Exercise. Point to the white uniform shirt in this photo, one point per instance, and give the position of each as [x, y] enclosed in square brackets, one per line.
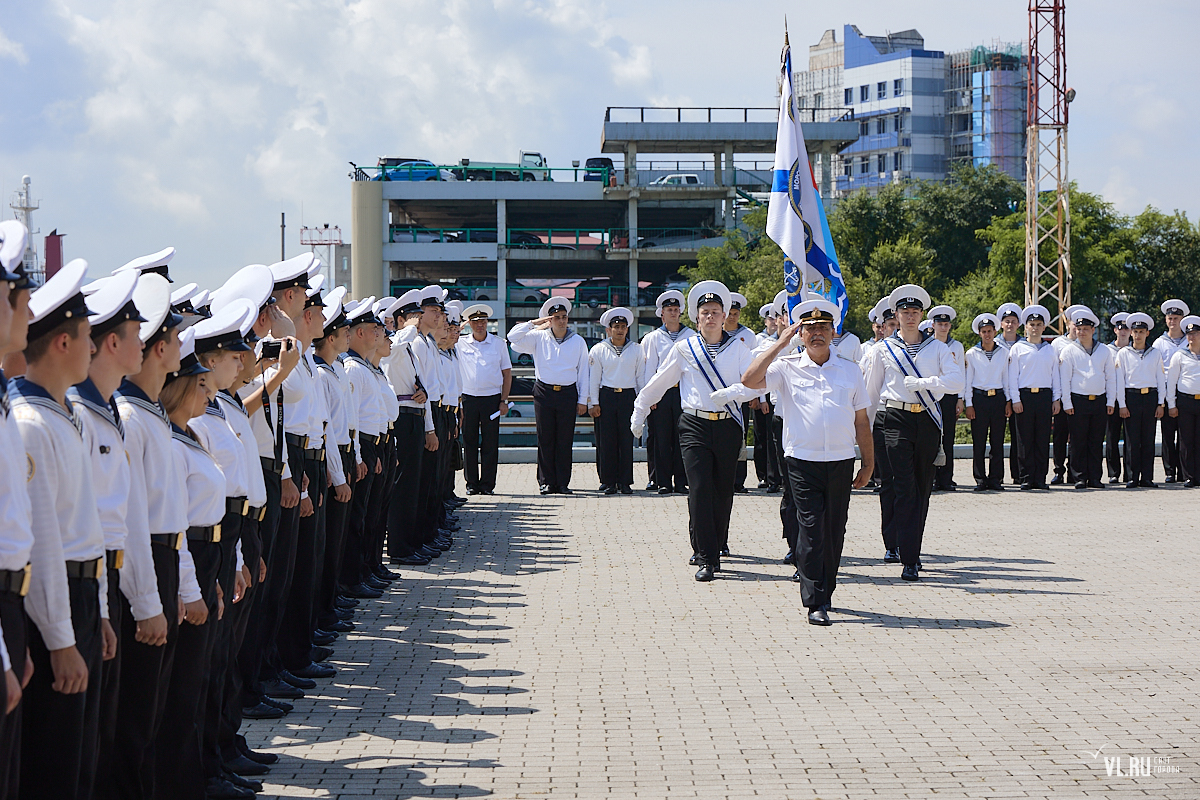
[337, 429]
[1141, 369]
[304, 401]
[885, 381]
[155, 488]
[1167, 347]
[1183, 375]
[1033, 366]
[616, 371]
[687, 365]
[110, 466]
[66, 525]
[425, 351]
[218, 438]
[372, 417]
[1006, 344]
[555, 363]
[655, 346]
[985, 373]
[386, 396]
[349, 404]
[956, 353]
[1086, 373]
[402, 370]
[239, 422]
[482, 364]
[818, 403]
[205, 495]
[264, 420]
[745, 336]
[452, 376]
[849, 346]
[16, 516]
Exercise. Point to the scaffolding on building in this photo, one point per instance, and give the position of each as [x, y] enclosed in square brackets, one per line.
[986, 89]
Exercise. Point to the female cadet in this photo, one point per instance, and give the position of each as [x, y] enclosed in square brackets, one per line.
[615, 375]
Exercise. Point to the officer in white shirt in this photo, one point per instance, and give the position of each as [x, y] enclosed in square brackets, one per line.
[1183, 398]
[706, 368]
[487, 379]
[615, 376]
[1009, 315]
[1035, 381]
[1113, 444]
[663, 456]
[1171, 341]
[942, 317]
[906, 376]
[67, 597]
[1142, 381]
[560, 364]
[986, 404]
[823, 401]
[1089, 392]
[16, 539]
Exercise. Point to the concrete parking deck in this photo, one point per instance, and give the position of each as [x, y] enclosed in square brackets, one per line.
[562, 649]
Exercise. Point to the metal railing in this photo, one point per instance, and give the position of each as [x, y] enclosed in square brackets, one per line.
[553, 238]
[661, 237]
[484, 172]
[722, 114]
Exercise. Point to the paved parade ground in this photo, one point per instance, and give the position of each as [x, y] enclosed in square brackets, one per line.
[562, 648]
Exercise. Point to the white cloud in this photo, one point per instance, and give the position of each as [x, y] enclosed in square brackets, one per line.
[11, 49]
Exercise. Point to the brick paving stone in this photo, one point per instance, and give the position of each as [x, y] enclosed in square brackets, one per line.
[562, 649]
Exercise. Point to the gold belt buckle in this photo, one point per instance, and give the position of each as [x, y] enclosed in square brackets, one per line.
[245, 508]
[1196, 397]
[180, 540]
[1091, 397]
[119, 559]
[216, 534]
[714, 415]
[1034, 389]
[991, 392]
[557, 388]
[618, 390]
[100, 567]
[916, 408]
[262, 512]
[1145, 390]
[25, 579]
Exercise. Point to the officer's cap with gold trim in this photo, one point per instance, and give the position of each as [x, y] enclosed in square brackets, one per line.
[477, 311]
[816, 310]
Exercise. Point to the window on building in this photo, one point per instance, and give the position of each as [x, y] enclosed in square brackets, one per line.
[863, 167]
[849, 96]
[881, 162]
[864, 94]
[898, 161]
[848, 167]
[864, 128]
[896, 123]
[881, 90]
[897, 87]
[881, 125]
[802, 101]
[817, 100]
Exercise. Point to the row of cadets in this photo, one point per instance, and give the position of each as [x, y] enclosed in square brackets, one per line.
[1142, 382]
[1036, 386]
[615, 367]
[907, 374]
[1089, 392]
[486, 381]
[1172, 340]
[766, 465]
[16, 541]
[735, 328]
[663, 455]
[415, 433]
[711, 428]
[986, 403]
[1183, 398]
[940, 319]
[560, 365]
[1009, 315]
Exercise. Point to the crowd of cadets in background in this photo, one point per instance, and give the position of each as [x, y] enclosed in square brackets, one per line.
[199, 490]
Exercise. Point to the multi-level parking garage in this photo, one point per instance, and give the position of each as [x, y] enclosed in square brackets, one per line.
[603, 236]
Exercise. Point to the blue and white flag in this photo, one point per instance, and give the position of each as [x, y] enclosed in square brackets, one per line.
[796, 217]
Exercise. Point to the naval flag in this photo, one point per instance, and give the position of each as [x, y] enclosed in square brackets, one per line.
[796, 217]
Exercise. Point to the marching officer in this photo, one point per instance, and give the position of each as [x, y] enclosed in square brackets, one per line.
[487, 379]
[1170, 342]
[614, 377]
[1089, 391]
[986, 404]
[1142, 380]
[662, 441]
[1183, 398]
[560, 363]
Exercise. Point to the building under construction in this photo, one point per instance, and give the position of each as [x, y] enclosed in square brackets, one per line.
[985, 107]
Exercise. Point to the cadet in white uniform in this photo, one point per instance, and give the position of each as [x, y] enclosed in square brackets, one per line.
[1183, 398]
[1142, 381]
[560, 363]
[663, 456]
[942, 317]
[711, 429]
[1035, 381]
[986, 404]
[1113, 444]
[1170, 342]
[765, 463]
[735, 328]
[1089, 392]
[1009, 315]
[68, 586]
[615, 376]
[487, 379]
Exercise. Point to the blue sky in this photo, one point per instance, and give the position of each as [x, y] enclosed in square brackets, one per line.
[152, 122]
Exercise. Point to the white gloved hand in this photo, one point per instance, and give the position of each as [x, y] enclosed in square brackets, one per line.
[722, 397]
[914, 384]
[638, 429]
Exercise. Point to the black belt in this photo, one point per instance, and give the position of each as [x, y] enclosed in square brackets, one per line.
[17, 580]
[556, 387]
[344, 449]
[114, 558]
[296, 440]
[370, 438]
[416, 412]
[91, 569]
[617, 389]
[273, 464]
[1087, 396]
[172, 540]
[241, 506]
[208, 533]
[988, 392]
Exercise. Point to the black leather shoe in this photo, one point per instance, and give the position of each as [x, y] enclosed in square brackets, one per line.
[796, 576]
[410, 560]
[319, 671]
[221, 789]
[603, 487]
[262, 711]
[610, 490]
[1169, 479]
[626, 490]
[244, 766]
[296, 681]
[763, 485]
[693, 561]
[364, 592]
[426, 551]
[664, 490]
[471, 491]
[996, 486]
[275, 702]
[652, 487]
[740, 490]
[254, 755]
[384, 574]
[774, 488]
[241, 782]
[565, 490]
[981, 487]
[1081, 485]
[319, 654]
[1095, 485]
[1132, 485]
[1191, 483]
[323, 638]
[680, 490]
[341, 626]
[343, 613]
[724, 552]
[345, 603]
[791, 554]
[277, 687]
[910, 573]
[818, 616]
[1057, 480]
[1148, 484]
[544, 489]
[891, 557]
[1027, 487]
[374, 583]
[705, 573]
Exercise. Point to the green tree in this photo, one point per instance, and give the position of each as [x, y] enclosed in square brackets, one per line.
[1164, 262]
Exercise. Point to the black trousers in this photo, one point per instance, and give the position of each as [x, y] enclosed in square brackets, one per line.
[145, 682]
[710, 450]
[1170, 448]
[224, 645]
[429, 502]
[403, 532]
[295, 630]
[554, 414]
[380, 504]
[822, 493]
[178, 766]
[765, 465]
[1061, 436]
[356, 520]
[1088, 423]
[110, 684]
[1189, 437]
[60, 732]
[944, 475]
[614, 439]
[739, 478]
[1035, 421]
[336, 514]
[1016, 457]
[988, 428]
[238, 617]
[255, 643]
[787, 505]
[663, 425]
[911, 442]
[445, 453]
[12, 618]
[1114, 447]
[481, 441]
[1139, 430]
[281, 566]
